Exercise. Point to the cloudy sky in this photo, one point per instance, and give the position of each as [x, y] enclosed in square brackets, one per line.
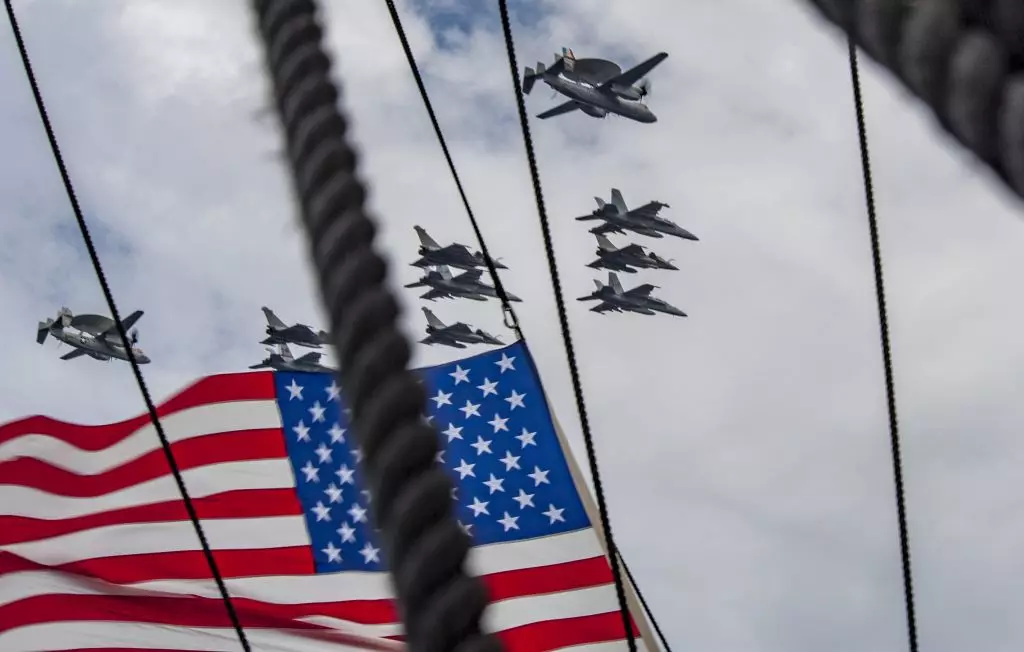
[745, 449]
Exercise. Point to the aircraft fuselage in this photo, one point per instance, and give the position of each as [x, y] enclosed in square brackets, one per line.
[99, 349]
[589, 96]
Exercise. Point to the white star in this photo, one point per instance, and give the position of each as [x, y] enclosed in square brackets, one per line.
[312, 472]
[515, 399]
[369, 553]
[442, 399]
[337, 434]
[510, 460]
[479, 507]
[347, 532]
[358, 513]
[317, 412]
[494, 484]
[470, 409]
[333, 554]
[554, 514]
[323, 512]
[524, 499]
[465, 468]
[498, 423]
[333, 493]
[345, 474]
[460, 375]
[323, 452]
[466, 527]
[506, 363]
[481, 445]
[539, 477]
[357, 453]
[509, 522]
[333, 391]
[452, 432]
[295, 390]
[301, 431]
[526, 438]
[488, 387]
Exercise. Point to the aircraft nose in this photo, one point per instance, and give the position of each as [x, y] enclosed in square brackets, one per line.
[141, 358]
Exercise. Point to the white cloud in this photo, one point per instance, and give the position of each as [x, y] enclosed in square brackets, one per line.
[744, 449]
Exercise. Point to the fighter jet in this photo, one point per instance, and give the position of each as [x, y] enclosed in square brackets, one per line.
[638, 299]
[622, 94]
[643, 220]
[624, 259]
[298, 334]
[97, 337]
[456, 335]
[466, 285]
[282, 360]
[453, 255]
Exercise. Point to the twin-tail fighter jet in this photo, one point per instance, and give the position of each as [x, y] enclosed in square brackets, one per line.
[643, 220]
[454, 255]
[97, 337]
[625, 259]
[456, 335]
[299, 334]
[466, 285]
[282, 360]
[614, 299]
[592, 90]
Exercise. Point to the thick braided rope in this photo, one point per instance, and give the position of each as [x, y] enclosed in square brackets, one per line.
[439, 603]
[963, 58]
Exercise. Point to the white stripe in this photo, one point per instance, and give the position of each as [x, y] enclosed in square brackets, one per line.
[180, 426]
[299, 589]
[89, 635]
[201, 482]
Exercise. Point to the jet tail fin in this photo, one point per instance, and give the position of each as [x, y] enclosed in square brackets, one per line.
[530, 78]
[432, 318]
[425, 240]
[272, 318]
[603, 243]
[43, 330]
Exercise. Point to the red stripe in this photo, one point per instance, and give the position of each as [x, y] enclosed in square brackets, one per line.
[222, 388]
[193, 453]
[252, 503]
[553, 634]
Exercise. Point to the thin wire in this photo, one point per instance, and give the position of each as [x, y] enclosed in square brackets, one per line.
[883, 322]
[643, 603]
[108, 295]
[499, 289]
[563, 320]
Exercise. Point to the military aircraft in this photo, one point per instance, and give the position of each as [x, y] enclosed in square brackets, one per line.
[97, 337]
[466, 285]
[643, 220]
[453, 255]
[298, 334]
[625, 259]
[613, 298]
[282, 360]
[456, 335]
[619, 95]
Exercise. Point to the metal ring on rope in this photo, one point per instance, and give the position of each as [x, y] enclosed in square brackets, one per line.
[439, 603]
[963, 58]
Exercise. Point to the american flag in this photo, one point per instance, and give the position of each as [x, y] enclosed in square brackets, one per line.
[97, 552]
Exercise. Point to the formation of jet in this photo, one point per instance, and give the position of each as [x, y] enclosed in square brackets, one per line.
[614, 299]
[96, 336]
[625, 259]
[456, 335]
[643, 220]
[466, 285]
[591, 89]
[280, 333]
[283, 360]
[454, 255]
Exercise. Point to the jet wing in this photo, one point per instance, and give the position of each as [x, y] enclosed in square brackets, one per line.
[632, 250]
[309, 358]
[636, 73]
[603, 307]
[607, 227]
[77, 353]
[649, 209]
[565, 107]
[470, 275]
[640, 291]
[434, 293]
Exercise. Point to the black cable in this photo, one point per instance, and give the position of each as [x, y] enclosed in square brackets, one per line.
[499, 289]
[883, 322]
[439, 603]
[125, 341]
[643, 603]
[563, 320]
